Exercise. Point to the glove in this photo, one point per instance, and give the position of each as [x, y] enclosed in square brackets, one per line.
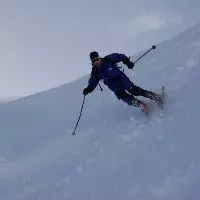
[130, 65]
[85, 91]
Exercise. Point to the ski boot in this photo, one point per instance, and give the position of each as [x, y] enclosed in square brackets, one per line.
[143, 107]
[158, 99]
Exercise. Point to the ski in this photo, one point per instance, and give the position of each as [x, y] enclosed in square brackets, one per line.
[161, 103]
[163, 98]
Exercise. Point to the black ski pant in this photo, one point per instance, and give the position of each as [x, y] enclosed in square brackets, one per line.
[128, 96]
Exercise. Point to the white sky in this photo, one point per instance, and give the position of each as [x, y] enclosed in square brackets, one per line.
[46, 43]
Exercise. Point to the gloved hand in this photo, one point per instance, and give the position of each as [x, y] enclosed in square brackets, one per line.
[130, 65]
[86, 91]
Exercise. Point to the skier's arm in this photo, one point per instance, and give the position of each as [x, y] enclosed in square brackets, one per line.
[92, 83]
[118, 57]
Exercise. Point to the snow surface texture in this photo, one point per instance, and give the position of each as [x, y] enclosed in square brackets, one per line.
[118, 153]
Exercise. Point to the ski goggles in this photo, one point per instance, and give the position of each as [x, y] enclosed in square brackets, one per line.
[96, 61]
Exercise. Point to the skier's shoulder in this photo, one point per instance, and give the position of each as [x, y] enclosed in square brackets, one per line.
[111, 57]
[115, 57]
[94, 70]
[94, 73]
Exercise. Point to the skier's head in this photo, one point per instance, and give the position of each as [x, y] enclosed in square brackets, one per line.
[93, 55]
[95, 59]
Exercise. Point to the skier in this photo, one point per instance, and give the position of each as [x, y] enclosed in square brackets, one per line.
[117, 81]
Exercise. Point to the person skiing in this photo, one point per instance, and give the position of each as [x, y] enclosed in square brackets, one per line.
[105, 68]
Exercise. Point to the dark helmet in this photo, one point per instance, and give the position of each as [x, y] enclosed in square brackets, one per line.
[94, 55]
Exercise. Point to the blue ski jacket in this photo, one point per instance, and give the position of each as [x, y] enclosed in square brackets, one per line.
[111, 75]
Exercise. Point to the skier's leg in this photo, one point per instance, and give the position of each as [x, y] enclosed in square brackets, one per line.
[137, 91]
[133, 89]
[130, 99]
[120, 86]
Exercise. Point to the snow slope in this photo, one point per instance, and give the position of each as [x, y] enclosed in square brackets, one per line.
[118, 153]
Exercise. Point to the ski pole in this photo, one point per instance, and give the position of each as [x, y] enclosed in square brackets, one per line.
[153, 47]
[73, 133]
[100, 87]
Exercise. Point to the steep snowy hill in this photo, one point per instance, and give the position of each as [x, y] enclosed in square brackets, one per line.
[118, 153]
